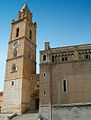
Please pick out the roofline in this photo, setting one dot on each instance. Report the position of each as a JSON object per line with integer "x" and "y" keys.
{"x": 68, "y": 46}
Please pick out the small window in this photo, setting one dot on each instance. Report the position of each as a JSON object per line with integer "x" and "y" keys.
{"x": 13, "y": 68}
{"x": 44, "y": 93}
{"x": 44, "y": 57}
{"x": 80, "y": 56}
{"x": 87, "y": 57}
{"x": 30, "y": 34}
{"x": 17, "y": 32}
{"x": 44, "y": 75}
{"x": 12, "y": 83}
{"x": 15, "y": 53}
{"x": 37, "y": 86}
{"x": 66, "y": 59}
{"x": 62, "y": 59}
{"x": 53, "y": 58}
{"x": 72, "y": 54}
{"x": 64, "y": 85}
{"x": 16, "y": 44}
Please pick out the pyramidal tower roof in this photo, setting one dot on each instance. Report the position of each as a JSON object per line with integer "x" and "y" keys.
{"x": 25, "y": 8}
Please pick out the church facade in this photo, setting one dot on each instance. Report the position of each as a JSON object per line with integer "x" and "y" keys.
{"x": 65, "y": 72}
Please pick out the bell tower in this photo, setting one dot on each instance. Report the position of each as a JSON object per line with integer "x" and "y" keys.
{"x": 20, "y": 63}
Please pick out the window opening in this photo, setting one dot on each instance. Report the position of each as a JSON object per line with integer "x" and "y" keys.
{"x": 66, "y": 59}
{"x": 44, "y": 58}
{"x": 17, "y": 32}
{"x": 44, "y": 93}
{"x": 13, "y": 68}
{"x": 64, "y": 85}
{"x": 53, "y": 58}
{"x": 86, "y": 56}
{"x": 62, "y": 59}
{"x": 16, "y": 44}
{"x": 12, "y": 83}
{"x": 30, "y": 34}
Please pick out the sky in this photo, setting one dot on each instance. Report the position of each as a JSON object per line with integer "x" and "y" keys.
{"x": 60, "y": 22}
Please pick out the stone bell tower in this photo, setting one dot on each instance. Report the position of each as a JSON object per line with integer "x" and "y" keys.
{"x": 20, "y": 63}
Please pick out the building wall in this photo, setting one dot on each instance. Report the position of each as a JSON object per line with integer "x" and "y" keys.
{"x": 72, "y": 64}
{"x": 71, "y": 112}
{"x": 1, "y": 100}
{"x": 45, "y": 98}
{"x": 78, "y": 77}
{"x": 66, "y": 112}
{"x": 12, "y": 96}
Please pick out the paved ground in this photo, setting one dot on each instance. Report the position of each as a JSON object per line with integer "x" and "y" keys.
{"x": 28, "y": 116}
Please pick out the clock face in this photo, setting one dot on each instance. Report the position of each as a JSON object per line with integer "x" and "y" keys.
{"x": 16, "y": 44}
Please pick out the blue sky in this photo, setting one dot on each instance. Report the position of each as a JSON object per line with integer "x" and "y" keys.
{"x": 61, "y": 22}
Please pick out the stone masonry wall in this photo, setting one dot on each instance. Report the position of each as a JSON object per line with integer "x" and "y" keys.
{"x": 71, "y": 112}
{"x": 78, "y": 77}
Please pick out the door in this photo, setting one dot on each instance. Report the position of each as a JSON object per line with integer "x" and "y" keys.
{"x": 37, "y": 104}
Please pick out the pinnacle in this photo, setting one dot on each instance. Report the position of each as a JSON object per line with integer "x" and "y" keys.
{"x": 25, "y": 7}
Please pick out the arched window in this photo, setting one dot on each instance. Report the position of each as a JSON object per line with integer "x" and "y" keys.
{"x": 17, "y": 32}
{"x": 12, "y": 83}
{"x": 62, "y": 58}
{"x": 13, "y": 68}
{"x": 87, "y": 56}
{"x": 16, "y": 43}
{"x": 30, "y": 34}
{"x": 44, "y": 93}
{"x": 66, "y": 59}
{"x": 65, "y": 85}
{"x": 53, "y": 58}
{"x": 44, "y": 57}
{"x": 80, "y": 56}
{"x": 15, "y": 53}
{"x": 44, "y": 75}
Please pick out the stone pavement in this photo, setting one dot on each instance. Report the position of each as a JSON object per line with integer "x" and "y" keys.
{"x": 28, "y": 116}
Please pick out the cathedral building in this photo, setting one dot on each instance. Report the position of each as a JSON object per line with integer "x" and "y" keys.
{"x": 65, "y": 72}
{"x": 65, "y": 76}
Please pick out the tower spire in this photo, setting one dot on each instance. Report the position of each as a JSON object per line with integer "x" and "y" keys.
{"x": 25, "y": 12}
{"x": 25, "y": 7}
